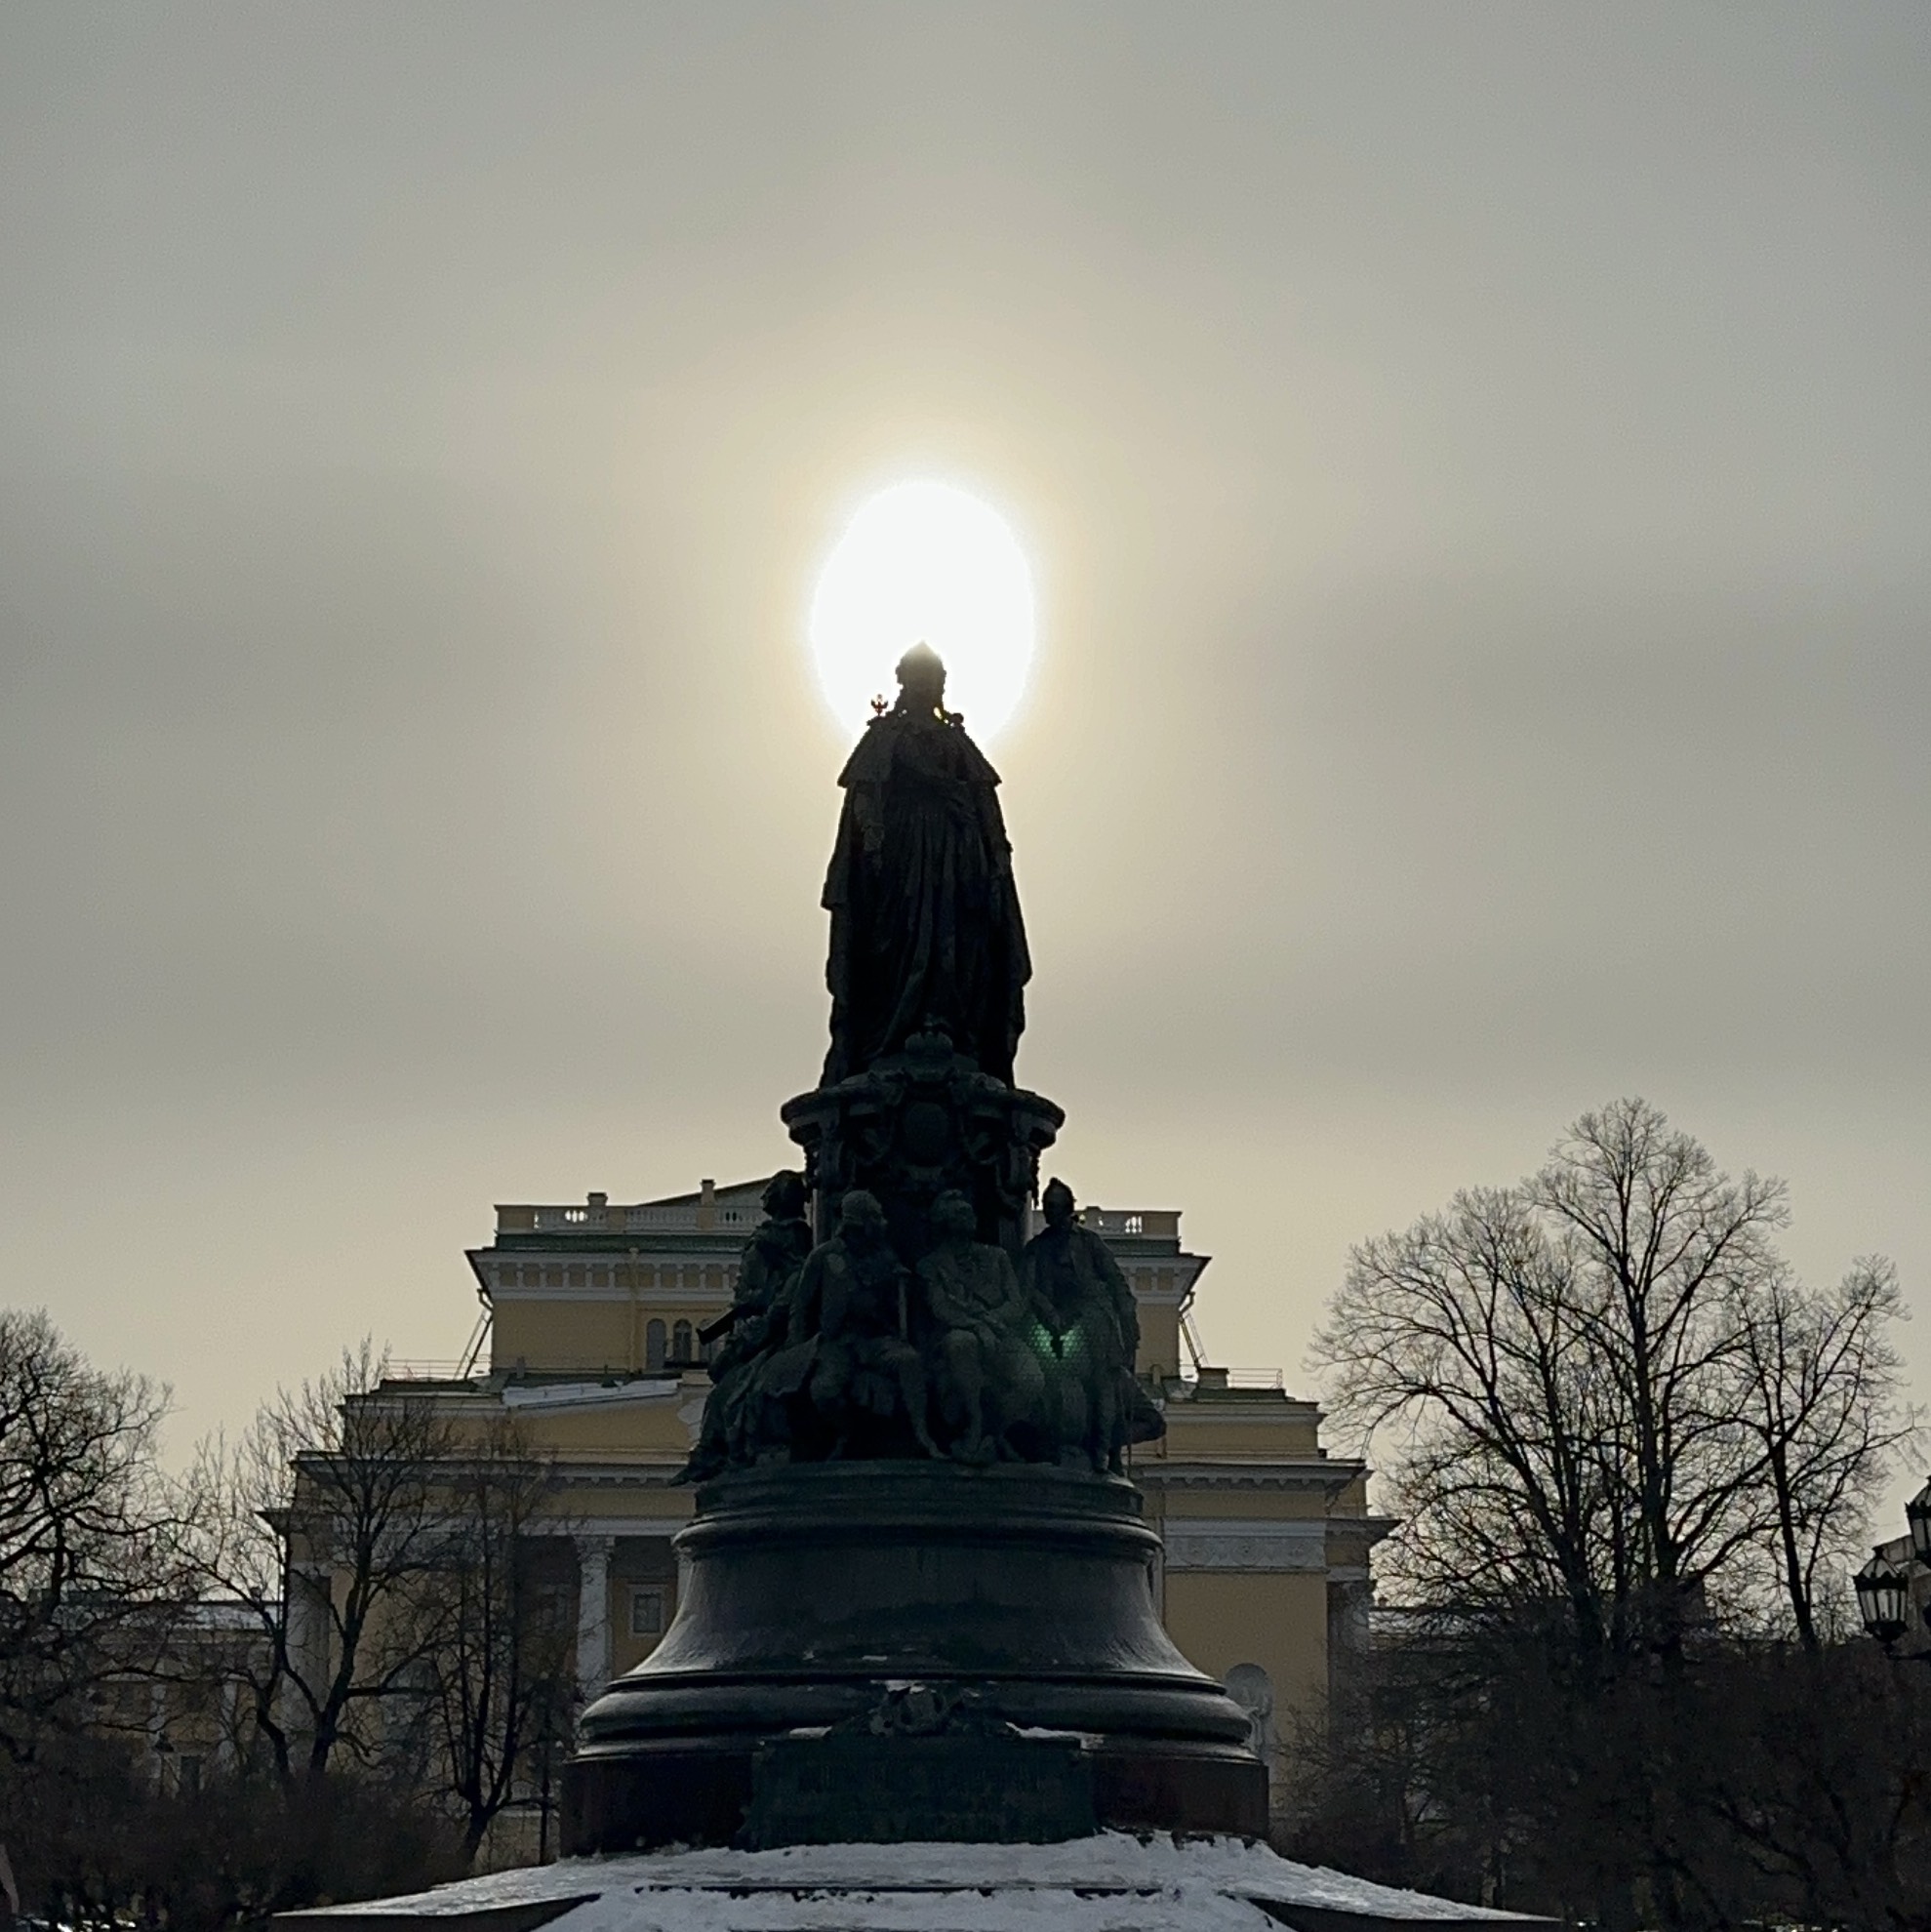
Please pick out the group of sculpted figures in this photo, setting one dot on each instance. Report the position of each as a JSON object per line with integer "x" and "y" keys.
{"x": 843, "y": 1351}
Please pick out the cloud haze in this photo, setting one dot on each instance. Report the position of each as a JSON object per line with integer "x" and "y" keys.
{"x": 1475, "y": 462}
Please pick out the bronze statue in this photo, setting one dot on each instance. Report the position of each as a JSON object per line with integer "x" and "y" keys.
{"x": 1070, "y": 1274}
{"x": 866, "y": 1375}
{"x": 991, "y": 1386}
{"x": 751, "y": 1326}
{"x": 926, "y": 934}
{"x": 902, "y": 1334}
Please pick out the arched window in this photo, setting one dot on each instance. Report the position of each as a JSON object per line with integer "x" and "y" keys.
{"x": 654, "y": 1346}
{"x": 683, "y": 1343}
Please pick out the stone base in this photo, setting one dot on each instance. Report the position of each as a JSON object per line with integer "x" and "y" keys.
{"x": 967, "y": 1790}
{"x": 1109, "y": 1883}
{"x": 1018, "y": 1600}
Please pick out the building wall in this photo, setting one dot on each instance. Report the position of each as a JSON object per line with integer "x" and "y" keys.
{"x": 1276, "y": 1621}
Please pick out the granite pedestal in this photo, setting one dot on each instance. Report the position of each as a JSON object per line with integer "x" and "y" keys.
{"x": 956, "y": 1633}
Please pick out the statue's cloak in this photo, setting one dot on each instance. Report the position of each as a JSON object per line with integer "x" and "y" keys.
{"x": 925, "y": 921}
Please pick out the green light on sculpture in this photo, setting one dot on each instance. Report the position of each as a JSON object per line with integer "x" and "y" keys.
{"x": 1065, "y": 1348}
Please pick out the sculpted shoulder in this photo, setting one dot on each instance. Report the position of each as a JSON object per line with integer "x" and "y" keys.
{"x": 870, "y": 762}
{"x": 885, "y": 737}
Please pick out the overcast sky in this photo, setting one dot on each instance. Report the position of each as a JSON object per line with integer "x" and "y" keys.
{"x": 1476, "y": 464}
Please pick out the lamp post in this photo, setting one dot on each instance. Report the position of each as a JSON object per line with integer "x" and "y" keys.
{"x": 1884, "y": 1599}
{"x": 1917, "y": 1514}
{"x": 1884, "y": 1583}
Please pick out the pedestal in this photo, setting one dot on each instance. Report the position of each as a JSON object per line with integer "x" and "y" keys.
{"x": 916, "y": 1125}
{"x": 921, "y": 1608}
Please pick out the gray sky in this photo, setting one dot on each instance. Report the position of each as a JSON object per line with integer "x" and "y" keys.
{"x": 1477, "y": 462}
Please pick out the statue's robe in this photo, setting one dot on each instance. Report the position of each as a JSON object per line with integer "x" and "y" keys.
{"x": 925, "y": 920}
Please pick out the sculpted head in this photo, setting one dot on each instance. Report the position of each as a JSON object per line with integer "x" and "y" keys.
{"x": 921, "y": 680}
{"x": 860, "y": 1215}
{"x": 1058, "y": 1204}
{"x": 784, "y": 1194}
{"x": 953, "y": 1217}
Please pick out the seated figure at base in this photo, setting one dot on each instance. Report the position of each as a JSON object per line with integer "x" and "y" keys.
{"x": 1071, "y": 1276}
{"x": 752, "y": 1327}
{"x": 989, "y": 1383}
{"x": 866, "y": 1383}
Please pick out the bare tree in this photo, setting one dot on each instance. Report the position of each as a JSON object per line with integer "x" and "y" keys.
{"x": 1824, "y": 1405}
{"x": 1462, "y": 1340}
{"x": 1619, "y": 1429}
{"x": 91, "y": 1535}
{"x": 1665, "y": 1254}
{"x": 1603, "y": 1387}
{"x": 500, "y": 1670}
{"x": 333, "y": 1521}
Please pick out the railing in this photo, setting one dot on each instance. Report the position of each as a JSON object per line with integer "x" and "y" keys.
{"x": 742, "y": 1215}
{"x": 569, "y": 1219}
{"x": 423, "y": 1370}
{"x": 1208, "y": 1379}
{"x": 683, "y": 1219}
{"x": 1134, "y": 1224}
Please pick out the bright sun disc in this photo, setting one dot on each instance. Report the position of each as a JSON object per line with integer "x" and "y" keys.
{"x": 924, "y": 561}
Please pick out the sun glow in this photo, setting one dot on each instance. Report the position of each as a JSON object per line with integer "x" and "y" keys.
{"x": 925, "y": 561}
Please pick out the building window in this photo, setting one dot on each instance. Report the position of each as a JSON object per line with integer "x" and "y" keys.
{"x": 1136, "y": 1223}
{"x": 646, "y": 1613}
{"x": 683, "y": 1343}
{"x": 654, "y": 1344}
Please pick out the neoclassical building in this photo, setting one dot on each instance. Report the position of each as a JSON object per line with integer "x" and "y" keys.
{"x": 594, "y": 1318}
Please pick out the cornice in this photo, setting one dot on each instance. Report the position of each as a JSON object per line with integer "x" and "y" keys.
{"x": 1303, "y": 1476}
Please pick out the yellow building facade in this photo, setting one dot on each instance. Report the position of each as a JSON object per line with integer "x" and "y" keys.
{"x": 594, "y": 1315}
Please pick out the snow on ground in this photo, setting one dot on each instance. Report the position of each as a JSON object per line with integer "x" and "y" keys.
{"x": 1115, "y": 1882}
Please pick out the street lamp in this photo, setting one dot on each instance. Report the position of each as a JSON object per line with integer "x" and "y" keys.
{"x": 1918, "y": 1514}
{"x": 1884, "y": 1599}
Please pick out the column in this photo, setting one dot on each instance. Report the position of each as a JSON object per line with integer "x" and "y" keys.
{"x": 159, "y": 1743}
{"x": 228, "y": 1750}
{"x": 593, "y": 1613}
{"x": 307, "y": 1627}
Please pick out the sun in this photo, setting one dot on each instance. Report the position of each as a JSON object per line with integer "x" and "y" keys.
{"x": 925, "y": 561}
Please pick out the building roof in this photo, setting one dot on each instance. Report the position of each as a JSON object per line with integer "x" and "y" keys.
{"x": 725, "y": 1216}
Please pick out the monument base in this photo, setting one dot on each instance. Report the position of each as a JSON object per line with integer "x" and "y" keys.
{"x": 852, "y": 1630}
{"x": 1110, "y": 1883}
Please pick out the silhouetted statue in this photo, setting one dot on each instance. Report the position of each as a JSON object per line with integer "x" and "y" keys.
{"x": 990, "y": 1384}
{"x": 753, "y": 1325}
{"x": 1071, "y": 1276}
{"x": 926, "y": 933}
{"x": 866, "y": 1377}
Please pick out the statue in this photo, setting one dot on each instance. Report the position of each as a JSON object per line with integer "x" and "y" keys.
{"x": 991, "y": 1386}
{"x": 753, "y": 1324}
{"x": 926, "y": 934}
{"x": 867, "y": 1382}
{"x": 1070, "y": 1274}
{"x": 902, "y": 1333}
